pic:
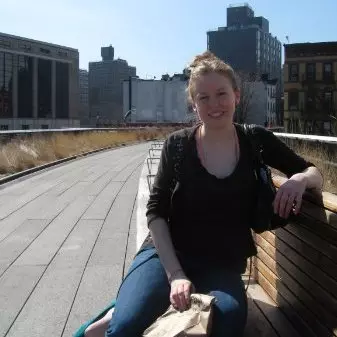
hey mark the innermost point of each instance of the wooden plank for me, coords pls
(271, 313)
(314, 255)
(295, 282)
(279, 262)
(281, 290)
(300, 325)
(323, 230)
(312, 240)
(302, 261)
(319, 213)
(257, 323)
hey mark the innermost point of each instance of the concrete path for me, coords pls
(67, 236)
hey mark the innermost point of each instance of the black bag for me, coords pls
(264, 218)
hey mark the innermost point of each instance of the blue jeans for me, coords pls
(144, 296)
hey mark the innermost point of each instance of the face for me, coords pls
(215, 99)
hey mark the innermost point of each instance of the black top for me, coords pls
(209, 217)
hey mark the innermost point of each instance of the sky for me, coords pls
(156, 36)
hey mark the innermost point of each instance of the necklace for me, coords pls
(201, 149)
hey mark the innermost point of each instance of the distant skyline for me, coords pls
(156, 37)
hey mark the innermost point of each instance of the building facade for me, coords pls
(155, 101)
(248, 46)
(106, 87)
(38, 84)
(258, 103)
(310, 88)
(84, 97)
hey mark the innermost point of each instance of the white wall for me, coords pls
(156, 101)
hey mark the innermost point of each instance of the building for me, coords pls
(38, 84)
(84, 96)
(310, 88)
(155, 101)
(106, 87)
(247, 45)
(258, 103)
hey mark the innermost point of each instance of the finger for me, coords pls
(180, 298)
(277, 201)
(289, 205)
(187, 293)
(298, 204)
(283, 203)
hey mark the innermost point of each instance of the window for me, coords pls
(293, 100)
(311, 71)
(25, 127)
(327, 70)
(44, 126)
(3, 127)
(293, 72)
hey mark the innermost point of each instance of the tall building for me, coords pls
(247, 45)
(106, 86)
(38, 84)
(310, 88)
(156, 101)
(84, 97)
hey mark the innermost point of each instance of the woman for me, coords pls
(201, 236)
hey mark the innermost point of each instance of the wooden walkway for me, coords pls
(67, 236)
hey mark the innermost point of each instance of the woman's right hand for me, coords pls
(181, 289)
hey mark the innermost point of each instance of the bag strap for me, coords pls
(179, 147)
(256, 146)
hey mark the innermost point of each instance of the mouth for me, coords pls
(216, 114)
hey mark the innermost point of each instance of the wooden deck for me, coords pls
(67, 237)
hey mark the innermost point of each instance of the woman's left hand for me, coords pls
(289, 193)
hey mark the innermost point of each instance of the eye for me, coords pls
(203, 98)
(222, 93)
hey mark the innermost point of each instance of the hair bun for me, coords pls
(206, 56)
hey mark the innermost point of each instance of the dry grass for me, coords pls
(319, 157)
(22, 154)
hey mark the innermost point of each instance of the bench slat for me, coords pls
(306, 323)
(281, 277)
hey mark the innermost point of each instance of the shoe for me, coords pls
(81, 330)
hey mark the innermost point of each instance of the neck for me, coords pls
(217, 135)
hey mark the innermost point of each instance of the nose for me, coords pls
(213, 101)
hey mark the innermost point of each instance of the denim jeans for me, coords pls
(144, 296)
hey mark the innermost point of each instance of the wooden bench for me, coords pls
(293, 283)
(297, 266)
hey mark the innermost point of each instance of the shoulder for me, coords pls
(180, 135)
(258, 131)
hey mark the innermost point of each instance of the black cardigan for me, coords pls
(214, 211)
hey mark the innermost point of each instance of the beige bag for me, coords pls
(195, 321)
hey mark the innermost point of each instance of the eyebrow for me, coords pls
(205, 93)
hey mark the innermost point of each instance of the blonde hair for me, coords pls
(207, 63)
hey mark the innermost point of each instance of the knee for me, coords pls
(229, 317)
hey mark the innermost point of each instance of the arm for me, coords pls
(301, 174)
(279, 156)
(157, 215)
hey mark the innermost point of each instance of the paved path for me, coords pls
(67, 236)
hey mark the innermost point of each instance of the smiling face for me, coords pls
(214, 99)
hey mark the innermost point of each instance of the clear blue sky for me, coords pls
(156, 36)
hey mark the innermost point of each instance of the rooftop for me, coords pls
(4, 35)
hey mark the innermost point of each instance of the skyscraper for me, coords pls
(247, 45)
(106, 86)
